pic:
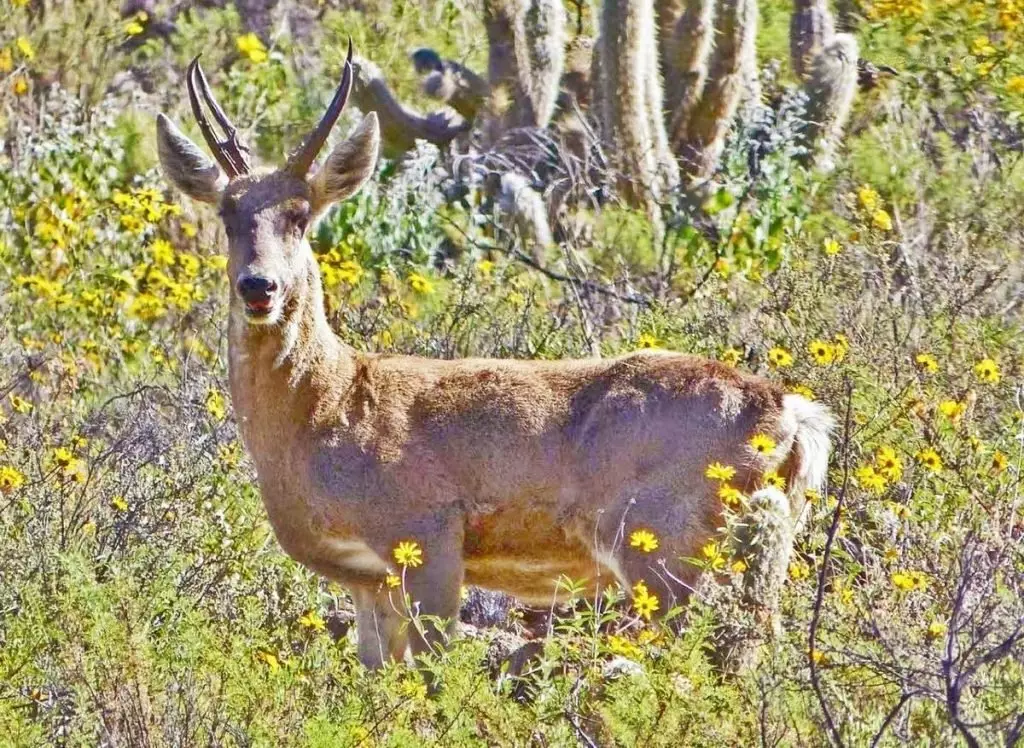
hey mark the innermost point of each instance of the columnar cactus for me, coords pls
(525, 59)
(631, 102)
(698, 133)
(827, 64)
(831, 87)
(811, 28)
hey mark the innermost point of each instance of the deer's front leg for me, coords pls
(434, 588)
(381, 627)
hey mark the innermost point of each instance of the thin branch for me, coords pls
(833, 731)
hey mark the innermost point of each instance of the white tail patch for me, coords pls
(813, 425)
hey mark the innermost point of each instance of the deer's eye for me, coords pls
(299, 218)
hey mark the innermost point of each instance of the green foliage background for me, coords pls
(143, 599)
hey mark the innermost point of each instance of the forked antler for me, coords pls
(300, 161)
(231, 154)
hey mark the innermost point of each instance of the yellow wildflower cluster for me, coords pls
(729, 495)
(336, 270)
(620, 645)
(644, 603)
(251, 47)
(886, 468)
(907, 580)
(877, 10)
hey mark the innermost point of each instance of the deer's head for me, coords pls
(266, 213)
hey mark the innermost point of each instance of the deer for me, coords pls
(509, 474)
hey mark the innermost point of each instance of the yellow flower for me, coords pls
(408, 553)
(738, 566)
(870, 479)
(10, 479)
(647, 340)
(1015, 84)
(889, 463)
(20, 404)
(644, 540)
(929, 459)
(63, 457)
(999, 462)
(841, 347)
(762, 444)
(712, 554)
(25, 47)
(881, 220)
(251, 47)
(987, 370)
(644, 603)
(162, 252)
(730, 356)
(485, 267)
(730, 495)
(823, 353)
(799, 570)
(772, 479)
(393, 580)
(951, 409)
(312, 620)
(936, 629)
(119, 504)
(133, 28)
(270, 659)
(620, 645)
(802, 390)
(831, 247)
(6, 60)
(982, 47)
(420, 284)
(215, 405)
(909, 580)
(779, 357)
(926, 362)
(20, 85)
(718, 471)
(867, 197)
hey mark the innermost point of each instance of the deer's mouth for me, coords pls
(259, 308)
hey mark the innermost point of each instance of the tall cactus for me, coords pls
(811, 28)
(827, 64)
(687, 31)
(700, 141)
(831, 87)
(631, 102)
(525, 59)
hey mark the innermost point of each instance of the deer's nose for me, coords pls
(256, 288)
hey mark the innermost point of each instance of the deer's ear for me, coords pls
(185, 164)
(350, 164)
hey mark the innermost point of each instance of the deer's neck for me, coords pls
(286, 377)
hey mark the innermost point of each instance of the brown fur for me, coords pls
(509, 474)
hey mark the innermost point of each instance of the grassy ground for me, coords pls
(143, 599)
